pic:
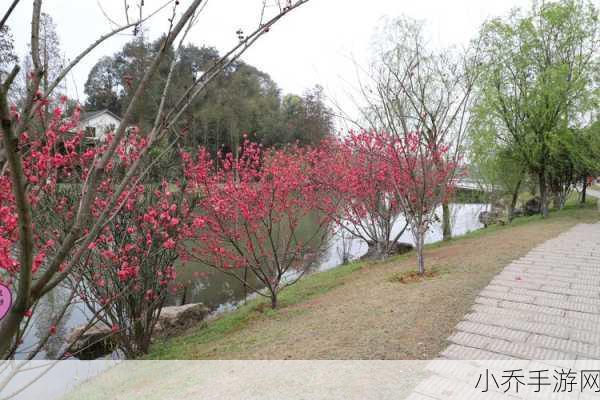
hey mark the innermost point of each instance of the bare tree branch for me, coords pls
(99, 41)
(8, 12)
(11, 323)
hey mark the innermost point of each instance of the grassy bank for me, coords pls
(373, 310)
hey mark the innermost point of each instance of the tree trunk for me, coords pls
(420, 256)
(139, 337)
(378, 250)
(513, 201)
(543, 194)
(383, 249)
(10, 326)
(584, 190)
(184, 297)
(245, 284)
(446, 226)
(557, 201)
(273, 301)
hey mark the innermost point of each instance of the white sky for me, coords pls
(313, 45)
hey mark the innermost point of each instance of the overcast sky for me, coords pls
(313, 45)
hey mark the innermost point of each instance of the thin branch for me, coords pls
(11, 324)
(91, 47)
(8, 12)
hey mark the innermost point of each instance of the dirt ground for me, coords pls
(378, 314)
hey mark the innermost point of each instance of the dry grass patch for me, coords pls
(407, 277)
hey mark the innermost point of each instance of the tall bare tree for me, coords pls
(414, 88)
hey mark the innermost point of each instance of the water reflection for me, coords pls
(41, 326)
(464, 219)
(217, 290)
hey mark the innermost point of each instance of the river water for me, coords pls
(223, 293)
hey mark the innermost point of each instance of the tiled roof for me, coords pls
(93, 114)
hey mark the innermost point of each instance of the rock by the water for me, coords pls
(176, 318)
(99, 340)
(488, 218)
(517, 212)
(395, 249)
(91, 343)
(533, 206)
(401, 248)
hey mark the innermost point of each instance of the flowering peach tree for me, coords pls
(123, 273)
(130, 271)
(252, 215)
(371, 179)
(355, 175)
(423, 179)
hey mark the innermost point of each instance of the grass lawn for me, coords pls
(373, 310)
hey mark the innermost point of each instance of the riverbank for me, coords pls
(373, 310)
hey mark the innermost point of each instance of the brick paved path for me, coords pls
(543, 306)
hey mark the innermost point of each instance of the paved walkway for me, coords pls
(543, 306)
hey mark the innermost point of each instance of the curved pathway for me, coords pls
(543, 306)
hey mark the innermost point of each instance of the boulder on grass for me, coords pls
(517, 212)
(395, 249)
(174, 319)
(495, 216)
(92, 343)
(533, 206)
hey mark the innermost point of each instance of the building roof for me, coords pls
(93, 114)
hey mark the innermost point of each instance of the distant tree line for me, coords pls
(536, 118)
(242, 100)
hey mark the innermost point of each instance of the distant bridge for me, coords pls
(472, 184)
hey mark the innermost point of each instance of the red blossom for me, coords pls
(169, 244)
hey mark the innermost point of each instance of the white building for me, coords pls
(97, 123)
